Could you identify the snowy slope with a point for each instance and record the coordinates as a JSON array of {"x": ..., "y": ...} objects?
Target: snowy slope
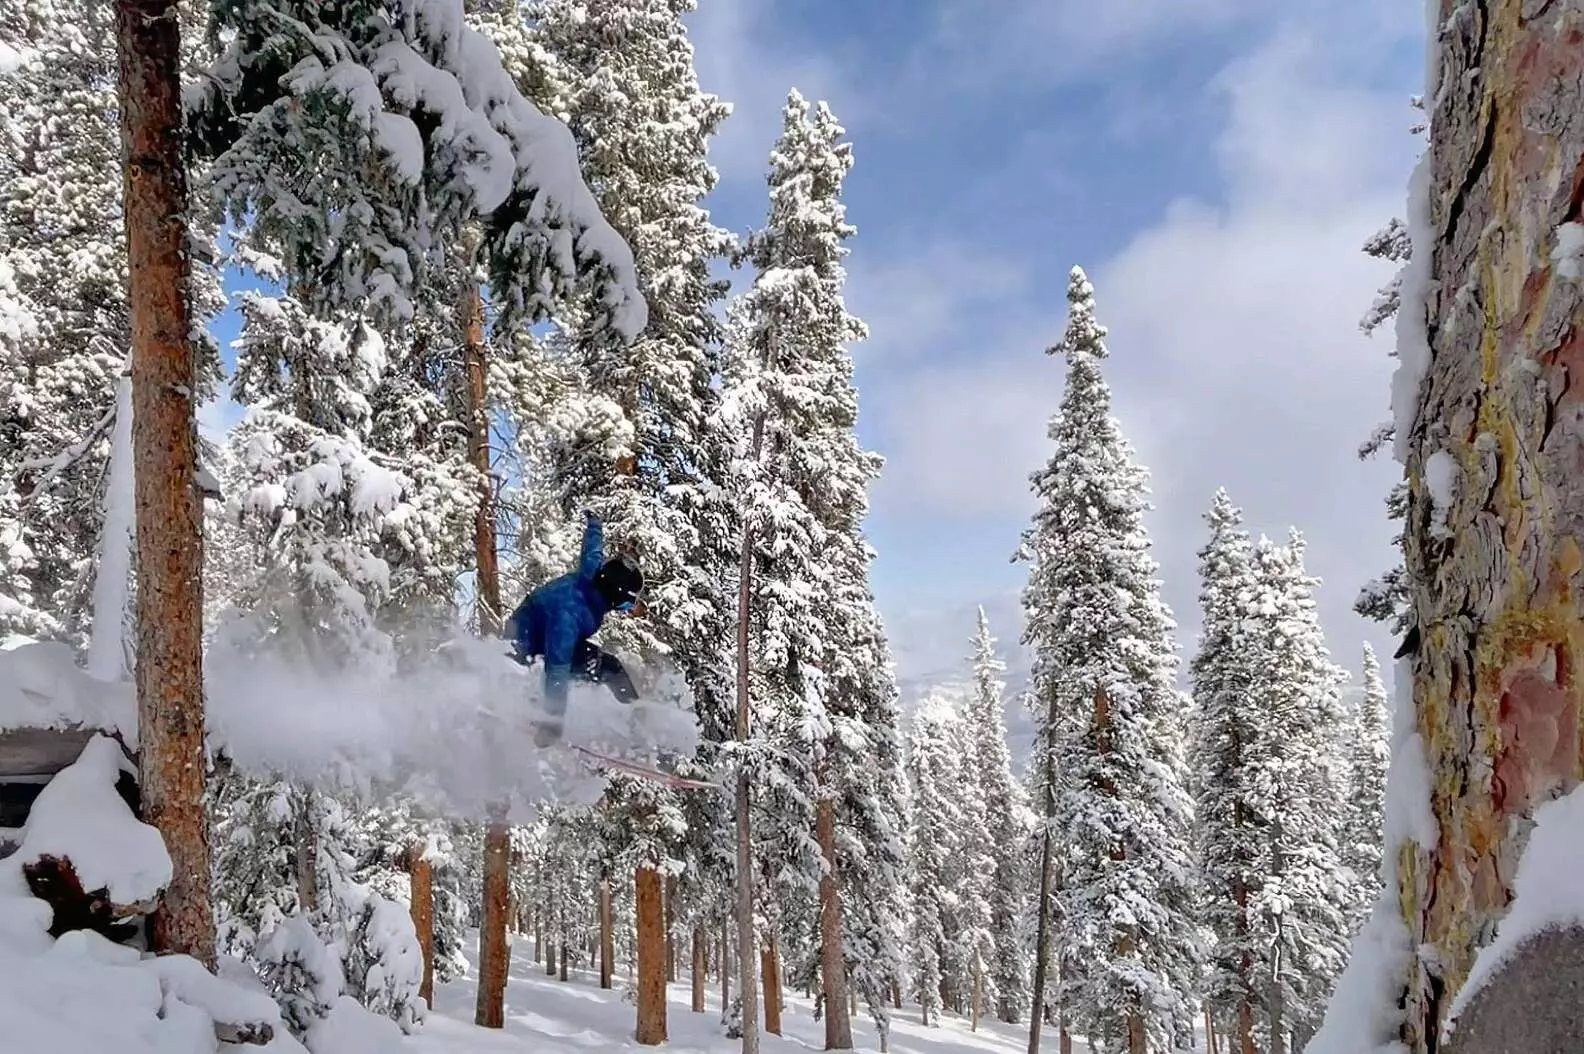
[{"x": 545, "y": 1016}]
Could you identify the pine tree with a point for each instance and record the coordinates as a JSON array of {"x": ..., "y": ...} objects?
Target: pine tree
[
  {"x": 1104, "y": 665},
  {"x": 1305, "y": 898},
  {"x": 1369, "y": 757},
  {"x": 1005, "y": 806},
  {"x": 803, "y": 488},
  {"x": 622, "y": 76},
  {"x": 934, "y": 774},
  {"x": 1232, "y": 744}
]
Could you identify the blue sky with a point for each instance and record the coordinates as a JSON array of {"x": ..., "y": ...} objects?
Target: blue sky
[{"x": 1215, "y": 166}]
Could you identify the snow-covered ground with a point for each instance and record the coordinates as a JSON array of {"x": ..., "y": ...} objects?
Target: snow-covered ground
[{"x": 546, "y": 1016}]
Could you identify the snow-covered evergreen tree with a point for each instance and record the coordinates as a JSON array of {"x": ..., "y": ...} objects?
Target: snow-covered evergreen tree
[
  {"x": 1369, "y": 754},
  {"x": 1005, "y": 808},
  {"x": 1104, "y": 665},
  {"x": 1232, "y": 743},
  {"x": 1305, "y": 898},
  {"x": 65, "y": 328},
  {"x": 935, "y": 776}
]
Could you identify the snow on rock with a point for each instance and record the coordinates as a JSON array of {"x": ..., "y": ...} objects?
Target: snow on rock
[
  {"x": 41, "y": 686},
  {"x": 80, "y": 817},
  {"x": 184, "y": 979},
  {"x": 1547, "y": 893},
  {"x": 349, "y": 1029},
  {"x": 1441, "y": 475},
  {"x": 1568, "y": 256}
]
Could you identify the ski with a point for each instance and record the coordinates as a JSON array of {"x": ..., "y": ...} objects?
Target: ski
[{"x": 633, "y": 768}]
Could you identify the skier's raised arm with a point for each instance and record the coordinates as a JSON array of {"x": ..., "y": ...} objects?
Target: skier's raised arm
[{"x": 593, "y": 555}]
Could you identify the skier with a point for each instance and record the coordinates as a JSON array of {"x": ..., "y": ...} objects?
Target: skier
[{"x": 555, "y": 621}]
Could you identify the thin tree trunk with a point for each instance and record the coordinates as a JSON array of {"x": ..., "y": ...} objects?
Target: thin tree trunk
[
  {"x": 745, "y": 912},
  {"x": 896, "y": 994},
  {"x": 978, "y": 990},
  {"x": 564, "y": 957},
  {"x": 833, "y": 968},
  {"x": 650, "y": 889},
  {"x": 607, "y": 935},
  {"x": 725, "y": 968},
  {"x": 550, "y": 956},
  {"x": 306, "y": 847},
  {"x": 669, "y": 906},
  {"x": 700, "y": 942},
  {"x": 770, "y": 967},
  {"x": 1047, "y": 875},
  {"x": 169, "y": 519},
  {"x": 494, "y": 950},
  {"x": 421, "y": 904}
]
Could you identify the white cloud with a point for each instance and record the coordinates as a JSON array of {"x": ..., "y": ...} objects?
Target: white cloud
[
  {"x": 1236, "y": 357},
  {"x": 743, "y": 59}
]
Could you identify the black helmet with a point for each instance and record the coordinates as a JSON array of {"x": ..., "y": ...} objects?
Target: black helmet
[{"x": 619, "y": 581}]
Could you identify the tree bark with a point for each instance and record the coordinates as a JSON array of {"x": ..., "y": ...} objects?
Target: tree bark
[
  {"x": 563, "y": 968},
  {"x": 651, "y": 957},
  {"x": 833, "y": 967},
  {"x": 770, "y": 967},
  {"x": 745, "y": 912},
  {"x": 669, "y": 906},
  {"x": 169, "y": 518},
  {"x": 700, "y": 943},
  {"x": 306, "y": 845},
  {"x": 494, "y": 951},
  {"x": 607, "y": 935},
  {"x": 725, "y": 968},
  {"x": 421, "y": 903},
  {"x": 1498, "y": 630}
]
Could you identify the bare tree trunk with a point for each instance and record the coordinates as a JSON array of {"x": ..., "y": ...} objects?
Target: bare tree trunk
[
  {"x": 1047, "y": 875},
  {"x": 725, "y": 968},
  {"x": 421, "y": 903},
  {"x": 494, "y": 950},
  {"x": 563, "y": 970},
  {"x": 1493, "y": 566},
  {"x": 651, "y": 957},
  {"x": 306, "y": 848},
  {"x": 978, "y": 990},
  {"x": 169, "y": 519},
  {"x": 770, "y": 966},
  {"x": 896, "y": 994},
  {"x": 745, "y": 912},
  {"x": 833, "y": 967},
  {"x": 607, "y": 935},
  {"x": 669, "y": 907},
  {"x": 700, "y": 943}
]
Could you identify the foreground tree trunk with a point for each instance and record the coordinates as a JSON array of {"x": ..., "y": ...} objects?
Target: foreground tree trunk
[
  {"x": 770, "y": 967},
  {"x": 651, "y": 957},
  {"x": 420, "y": 873},
  {"x": 494, "y": 949},
  {"x": 168, "y": 523},
  {"x": 607, "y": 935},
  {"x": 833, "y": 967},
  {"x": 1498, "y": 633},
  {"x": 700, "y": 952}
]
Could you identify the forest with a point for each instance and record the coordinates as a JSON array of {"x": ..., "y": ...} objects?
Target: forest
[{"x": 268, "y": 767}]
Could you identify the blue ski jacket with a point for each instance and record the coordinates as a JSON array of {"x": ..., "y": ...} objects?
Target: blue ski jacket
[{"x": 554, "y": 619}]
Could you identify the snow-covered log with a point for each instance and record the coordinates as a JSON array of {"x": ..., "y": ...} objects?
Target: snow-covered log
[{"x": 84, "y": 851}]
